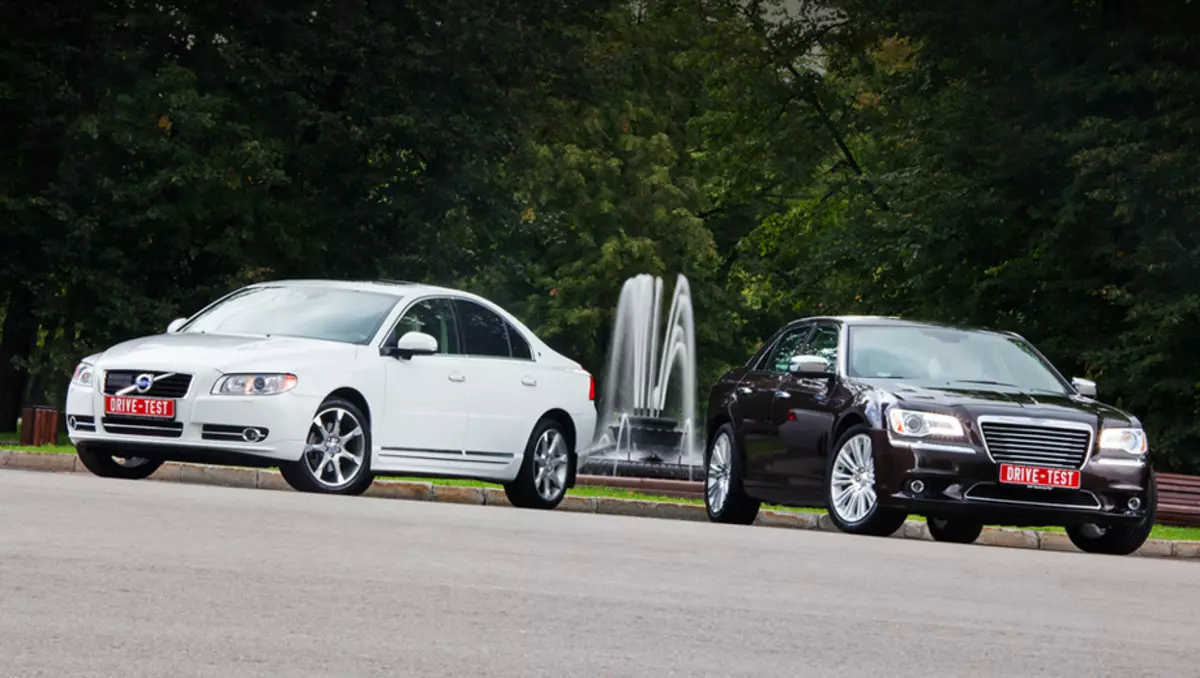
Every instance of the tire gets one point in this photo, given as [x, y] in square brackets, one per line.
[343, 437]
[856, 509]
[107, 466]
[725, 499]
[954, 531]
[1117, 540]
[546, 468]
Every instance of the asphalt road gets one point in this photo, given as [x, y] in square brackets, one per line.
[118, 578]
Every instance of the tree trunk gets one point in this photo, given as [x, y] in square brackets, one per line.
[17, 339]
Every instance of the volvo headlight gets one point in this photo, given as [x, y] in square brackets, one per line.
[83, 374]
[914, 424]
[254, 384]
[1131, 440]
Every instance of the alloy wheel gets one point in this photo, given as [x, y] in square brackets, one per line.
[853, 480]
[550, 460]
[717, 480]
[336, 447]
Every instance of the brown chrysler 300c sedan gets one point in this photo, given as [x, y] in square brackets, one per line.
[878, 418]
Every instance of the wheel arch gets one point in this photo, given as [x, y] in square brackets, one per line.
[847, 422]
[354, 396]
[563, 418]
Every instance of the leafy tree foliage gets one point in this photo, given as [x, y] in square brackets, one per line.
[1024, 164]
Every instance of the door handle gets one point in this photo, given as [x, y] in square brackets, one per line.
[783, 394]
[745, 390]
[528, 380]
[458, 377]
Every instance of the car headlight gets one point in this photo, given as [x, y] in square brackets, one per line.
[254, 384]
[913, 424]
[1131, 440]
[83, 375]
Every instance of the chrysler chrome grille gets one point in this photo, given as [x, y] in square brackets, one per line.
[164, 384]
[1036, 443]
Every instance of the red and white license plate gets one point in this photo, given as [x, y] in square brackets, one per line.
[140, 407]
[1038, 476]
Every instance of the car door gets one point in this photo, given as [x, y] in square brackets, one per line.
[426, 400]
[805, 416]
[505, 397]
[757, 392]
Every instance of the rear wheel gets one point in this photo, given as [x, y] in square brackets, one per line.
[337, 453]
[954, 531]
[724, 498]
[106, 465]
[541, 482]
[850, 494]
[1117, 540]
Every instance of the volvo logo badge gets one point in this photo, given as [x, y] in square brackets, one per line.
[143, 382]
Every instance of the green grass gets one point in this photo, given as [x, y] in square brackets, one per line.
[11, 441]
[1159, 532]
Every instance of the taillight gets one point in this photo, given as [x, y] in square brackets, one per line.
[591, 387]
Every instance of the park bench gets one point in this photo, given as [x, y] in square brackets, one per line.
[1178, 499]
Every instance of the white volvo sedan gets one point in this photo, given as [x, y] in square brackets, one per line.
[335, 383]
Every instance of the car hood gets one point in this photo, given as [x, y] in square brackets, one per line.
[1002, 400]
[221, 352]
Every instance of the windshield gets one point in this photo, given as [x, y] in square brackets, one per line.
[948, 356]
[307, 311]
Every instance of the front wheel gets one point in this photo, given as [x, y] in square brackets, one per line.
[541, 482]
[337, 453]
[724, 498]
[850, 494]
[1117, 540]
[107, 465]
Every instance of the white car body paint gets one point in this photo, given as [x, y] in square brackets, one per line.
[466, 416]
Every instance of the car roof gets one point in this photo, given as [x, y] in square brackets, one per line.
[894, 321]
[398, 288]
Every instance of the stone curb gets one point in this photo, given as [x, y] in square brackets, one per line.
[268, 479]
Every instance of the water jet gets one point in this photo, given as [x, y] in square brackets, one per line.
[648, 409]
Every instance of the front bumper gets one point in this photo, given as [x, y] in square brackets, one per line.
[203, 425]
[963, 482]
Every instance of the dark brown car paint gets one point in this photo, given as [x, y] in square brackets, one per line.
[786, 443]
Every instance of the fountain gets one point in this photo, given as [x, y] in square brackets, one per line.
[639, 432]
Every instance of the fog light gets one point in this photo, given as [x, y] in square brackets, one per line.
[1134, 503]
[71, 423]
[251, 435]
[917, 486]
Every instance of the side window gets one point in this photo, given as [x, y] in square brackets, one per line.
[434, 317]
[787, 346]
[484, 333]
[824, 343]
[520, 347]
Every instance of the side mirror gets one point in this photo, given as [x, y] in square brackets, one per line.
[411, 344]
[810, 366]
[175, 325]
[1085, 387]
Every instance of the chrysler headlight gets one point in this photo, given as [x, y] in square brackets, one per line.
[83, 374]
[254, 384]
[1131, 440]
[913, 424]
